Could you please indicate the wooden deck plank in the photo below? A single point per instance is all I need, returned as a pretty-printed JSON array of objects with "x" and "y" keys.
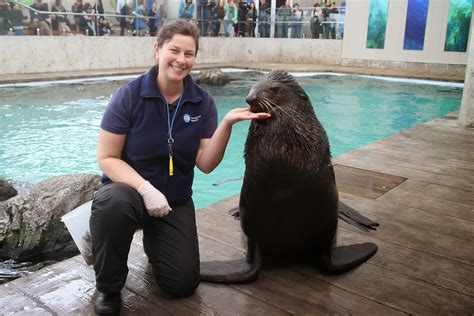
[
  {"x": 15, "y": 302},
  {"x": 442, "y": 200},
  {"x": 388, "y": 158},
  {"x": 398, "y": 291},
  {"x": 408, "y": 172},
  {"x": 440, "y": 271},
  {"x": 364, "y": 183},
  {"x": 417, "y": 230}
]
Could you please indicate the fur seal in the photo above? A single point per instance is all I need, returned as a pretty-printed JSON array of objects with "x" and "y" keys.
[{"x": 289, "y": 201}]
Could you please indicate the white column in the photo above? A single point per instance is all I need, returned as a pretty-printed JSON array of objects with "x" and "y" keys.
[
  {"x": 273, "y": 13},
  {"x": 466, "y": 114}
]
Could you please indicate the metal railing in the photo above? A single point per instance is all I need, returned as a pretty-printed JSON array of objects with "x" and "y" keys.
[{"x": 331, "y": 27}]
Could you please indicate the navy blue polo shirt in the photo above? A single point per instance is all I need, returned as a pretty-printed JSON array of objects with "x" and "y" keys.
[{"x": 138, "y": 109}]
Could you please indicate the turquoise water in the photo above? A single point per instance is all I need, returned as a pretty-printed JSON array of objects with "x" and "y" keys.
[{"x": 52, "y": 129}]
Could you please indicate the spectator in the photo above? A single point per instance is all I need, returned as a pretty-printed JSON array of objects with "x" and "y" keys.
[
  {"x": 332, "y": 20},
  {"x": 230, "y": 18},
  {"x": 160, "y": 17},
  {"x": 206, "y": 17},
  {"x": 88, "y": 22},
  {"x": 264, "y": 19},
  {"x": 186, "y": 9},
  {"x": 40, "y": 21},
  {"x": 218, "y": 15},
  {"x": 150, "y": 12},
  {"x": 14, "y": 18},
  {"x": 60, "y": 22},
  {"x": 104, "y": 26},
  {"x": 316, "y": 18},
  {"x": 297, "y": 18},
  {"x": 77, "y": 7},
  {"x": 284, "y": 13},
  {"x": 141, "y": 27},
  {"x": 252, "y": 15},
  {"x": 5, "y": 23},
  {"x": 241, "y": 19},
  {"x": 125, "y": 22}
]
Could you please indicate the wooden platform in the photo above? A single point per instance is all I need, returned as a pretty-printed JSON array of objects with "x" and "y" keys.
[{"x": 418, "y": 184}]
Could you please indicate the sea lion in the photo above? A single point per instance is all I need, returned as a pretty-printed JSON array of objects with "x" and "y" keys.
[{"x": 289, "y": 199}]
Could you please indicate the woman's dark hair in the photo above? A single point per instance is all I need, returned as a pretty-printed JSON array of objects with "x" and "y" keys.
[{"x": 181, "y": 27}]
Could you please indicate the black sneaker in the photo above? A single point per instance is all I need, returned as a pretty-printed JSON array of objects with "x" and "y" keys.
[{"x": 107, "y": 303}]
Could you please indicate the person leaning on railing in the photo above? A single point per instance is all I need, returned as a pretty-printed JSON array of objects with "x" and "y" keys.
[
  {"x": 218, "y": 15},
  {"x": 186, "y": 9},
  {"x": 60, "y": 22},
  {"x": 40, "y": 21},
  {"x": 315, "y": 21},
  {"x": 264, "y": 19},
  {"x": 230, "y": 19},
  {"x": 11, "y": 19},
  {"x": 77, "y": 7}
]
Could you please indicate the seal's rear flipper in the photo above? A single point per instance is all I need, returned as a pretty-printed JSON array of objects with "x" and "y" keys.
[
  {"x": 355, "y": 218},
  {"x": 236, "y": 271},
  {"x": 344, "y": 258}
]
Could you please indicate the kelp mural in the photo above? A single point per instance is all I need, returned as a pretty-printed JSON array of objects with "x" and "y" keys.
[
  {"x": 459, "y": 22},
  {"x": 377, "y": 24},
  {"x": 415, "y": 25}
]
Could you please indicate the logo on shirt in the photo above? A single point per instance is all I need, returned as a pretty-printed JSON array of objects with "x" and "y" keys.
[{"x": 188, "y": 118}]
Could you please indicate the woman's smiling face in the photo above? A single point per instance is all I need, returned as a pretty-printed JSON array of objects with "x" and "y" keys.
[{"x": 176, "y": 57}]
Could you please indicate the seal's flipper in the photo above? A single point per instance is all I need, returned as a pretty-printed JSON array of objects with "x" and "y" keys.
[
  {"x": 344, "y": 258},
  {"x": 355, "y": 218},
  {"x": 235, "y": 213},
  {"x": 236, "y": 271}
]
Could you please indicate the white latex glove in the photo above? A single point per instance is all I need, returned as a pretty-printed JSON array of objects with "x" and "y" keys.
[{"x": 155, "y": 202}]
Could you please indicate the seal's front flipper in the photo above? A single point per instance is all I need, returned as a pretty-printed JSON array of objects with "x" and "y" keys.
[
  {"x": 241, "y": 271},
  {"x": 355, "y": 218},
  {"x": 344, "y": 258}
]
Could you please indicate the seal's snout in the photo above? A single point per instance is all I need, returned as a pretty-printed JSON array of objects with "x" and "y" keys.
[{"x": 251, "y": 99}]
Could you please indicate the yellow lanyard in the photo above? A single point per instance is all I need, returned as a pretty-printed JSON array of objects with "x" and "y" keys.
[{"x": 170, "y": 136}]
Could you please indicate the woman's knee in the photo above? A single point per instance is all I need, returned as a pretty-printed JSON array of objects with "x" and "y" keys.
[
  {"x": 178, "y": 283},
  {"x": 116, "y": 203}
]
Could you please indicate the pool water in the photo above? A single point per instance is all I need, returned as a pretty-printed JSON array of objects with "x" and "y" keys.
[{"x": 52, "y": 129}]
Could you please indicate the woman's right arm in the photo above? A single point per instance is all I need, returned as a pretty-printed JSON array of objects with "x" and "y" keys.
[{"x": 109, "y": 157}]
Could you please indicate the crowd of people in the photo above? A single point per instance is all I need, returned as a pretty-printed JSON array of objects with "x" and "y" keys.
[{"x": 227, "y": 18}]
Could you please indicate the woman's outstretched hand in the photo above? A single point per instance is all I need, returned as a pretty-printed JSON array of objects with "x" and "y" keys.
[{"x": 241, "y": 114}]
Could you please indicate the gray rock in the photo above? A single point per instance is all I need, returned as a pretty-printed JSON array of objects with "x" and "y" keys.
[
  {"x": 30, "y": 223},
  {"x": 213, "y": 76},
  {"x": 6, "y": 190}
]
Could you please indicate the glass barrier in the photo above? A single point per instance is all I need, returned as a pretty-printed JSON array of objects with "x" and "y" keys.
[{"x": 133, "y": 19}]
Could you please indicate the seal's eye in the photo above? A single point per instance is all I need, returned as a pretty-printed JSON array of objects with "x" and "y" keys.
[{"x": 275, "y": 89}]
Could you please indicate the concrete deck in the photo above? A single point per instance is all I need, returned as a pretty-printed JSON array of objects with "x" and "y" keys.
[
  {"x": 418, "y": 184},
  {"x": 414, "y": 74}
]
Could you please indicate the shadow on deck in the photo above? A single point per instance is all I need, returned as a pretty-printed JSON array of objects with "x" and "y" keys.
[{"x": 417, "y": 184}]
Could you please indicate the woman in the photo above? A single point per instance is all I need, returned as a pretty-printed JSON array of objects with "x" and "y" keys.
[
  {"x": 252, "y": 15},
  {"x": 297, "y": 18},
  {"x": 186, "y": 9},
  {"x": 316, "y": 18},
  {"x": 283, "y": 14},
  {"x": 154, "y": 131},
  {"x": 218, "y": 15},
  {"x": 230, "y": 18},
  {"x": 160, "y": 17}
]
